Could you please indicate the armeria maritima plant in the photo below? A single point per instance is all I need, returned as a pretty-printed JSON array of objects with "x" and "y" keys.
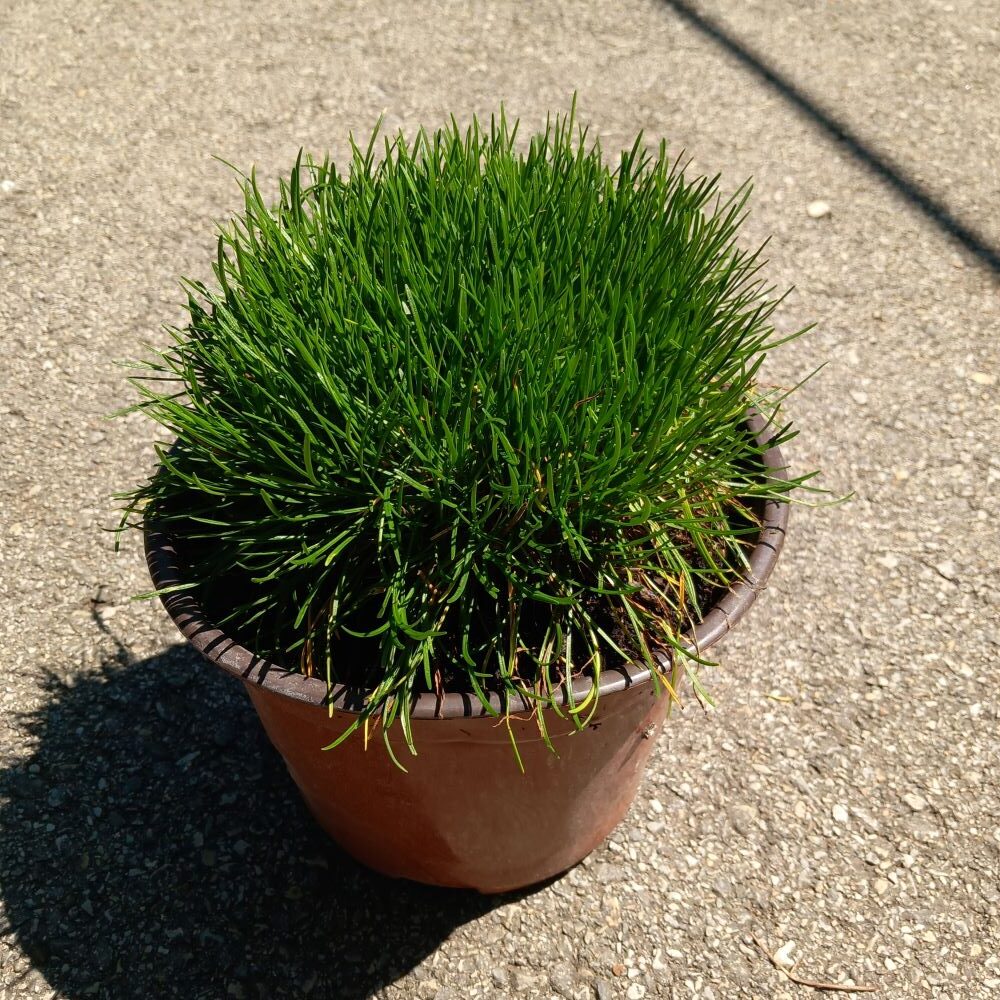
[{"x": 469, "y": 416}]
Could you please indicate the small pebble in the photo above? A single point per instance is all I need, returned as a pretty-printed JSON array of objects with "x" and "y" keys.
[
  {"x": 6, "y": 186},
  {"x": 947, "y": 569},
  {"x": 818, "y": 209},
  {"x": 889, "y": 561},
  {"x": 916, "y": 802},
  {"x": 225, "y": 734},
  {"x": 840, "y": 814},
  {"x": 983, "y": 378},
  {"x": 562, "y": 980},
  {"x": 783, "y": 956},
  {"x": 523, "y": 980}
]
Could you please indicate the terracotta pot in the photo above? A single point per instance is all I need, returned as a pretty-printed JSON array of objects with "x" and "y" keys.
[{"x": 463, "y": 814}]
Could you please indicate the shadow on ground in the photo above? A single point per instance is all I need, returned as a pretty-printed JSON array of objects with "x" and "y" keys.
[
  {"x": 154, "y": 845},
  {"x": 878, "y": 163}
]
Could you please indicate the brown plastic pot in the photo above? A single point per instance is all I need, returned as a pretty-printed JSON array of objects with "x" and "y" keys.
[{"x": 463, "y": 814}]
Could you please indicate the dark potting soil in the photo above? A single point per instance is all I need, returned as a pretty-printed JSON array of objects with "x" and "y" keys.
[{"x": 355, "y": 660}]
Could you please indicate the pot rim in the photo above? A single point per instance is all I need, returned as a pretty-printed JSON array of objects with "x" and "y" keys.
[{"x": 217, "y": 647}]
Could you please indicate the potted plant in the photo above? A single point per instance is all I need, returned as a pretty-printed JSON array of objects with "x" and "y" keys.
[{"x": 468, "y": 467}]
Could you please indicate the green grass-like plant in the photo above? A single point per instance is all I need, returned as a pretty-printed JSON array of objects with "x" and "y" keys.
[{"x": 474, "y": 409}]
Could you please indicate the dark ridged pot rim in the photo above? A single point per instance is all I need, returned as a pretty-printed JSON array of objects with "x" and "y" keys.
[{"x": 217, "y": 647}]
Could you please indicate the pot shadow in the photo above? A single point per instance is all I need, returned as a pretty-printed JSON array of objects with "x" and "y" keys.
[{"x": 153, "y": 844}]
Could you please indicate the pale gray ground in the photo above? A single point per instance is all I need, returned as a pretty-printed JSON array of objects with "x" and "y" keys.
[{"x": 845, "y": 795}]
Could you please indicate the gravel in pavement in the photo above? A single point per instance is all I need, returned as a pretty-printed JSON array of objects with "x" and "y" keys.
[{"x": 841, "y": 805}]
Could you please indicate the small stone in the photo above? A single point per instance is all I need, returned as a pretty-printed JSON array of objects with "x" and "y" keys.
[
  {"x": 236, "y": 990},
  {"x": 562, "y": 980},
  {"x": 57, "y": 796},
  {"x": 602, "y": 990},
  {"x": 7, "y": 185},
  {"x": 882, "y": 886},
  {"x": 636, "y": 991},
  {"x": 783, "y": 956},
  {"x": 608, "y": 873},
  {"x": 744, "y": 818},
  {"x": 656, "y": 805},
  {"x": 889, "y": 561},
  {"x": 840, "y": 814},
  {"x": 225, "y": 734},
  {"x": 922, "y": 830},
  {"x": 860, "y": 398},
  {"x": 618, "y": 969},
  {"x": 500, "y": 977},
  {"x": 947, "y": 569},
  {"x": 916, "y": 802},
  {"x": 818, "y": 209},
  {"x": 523, "y": 980},
  {"x": 983, "y": 378}
]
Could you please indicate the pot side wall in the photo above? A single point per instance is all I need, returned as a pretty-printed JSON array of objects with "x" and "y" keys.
[{"x": 463, "y": 814}]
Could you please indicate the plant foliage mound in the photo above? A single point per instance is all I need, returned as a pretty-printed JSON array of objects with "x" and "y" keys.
[{"x": 475, "y": 408}]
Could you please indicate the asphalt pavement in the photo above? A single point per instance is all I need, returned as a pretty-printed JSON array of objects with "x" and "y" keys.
[{"x": 836, "y": 820}]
